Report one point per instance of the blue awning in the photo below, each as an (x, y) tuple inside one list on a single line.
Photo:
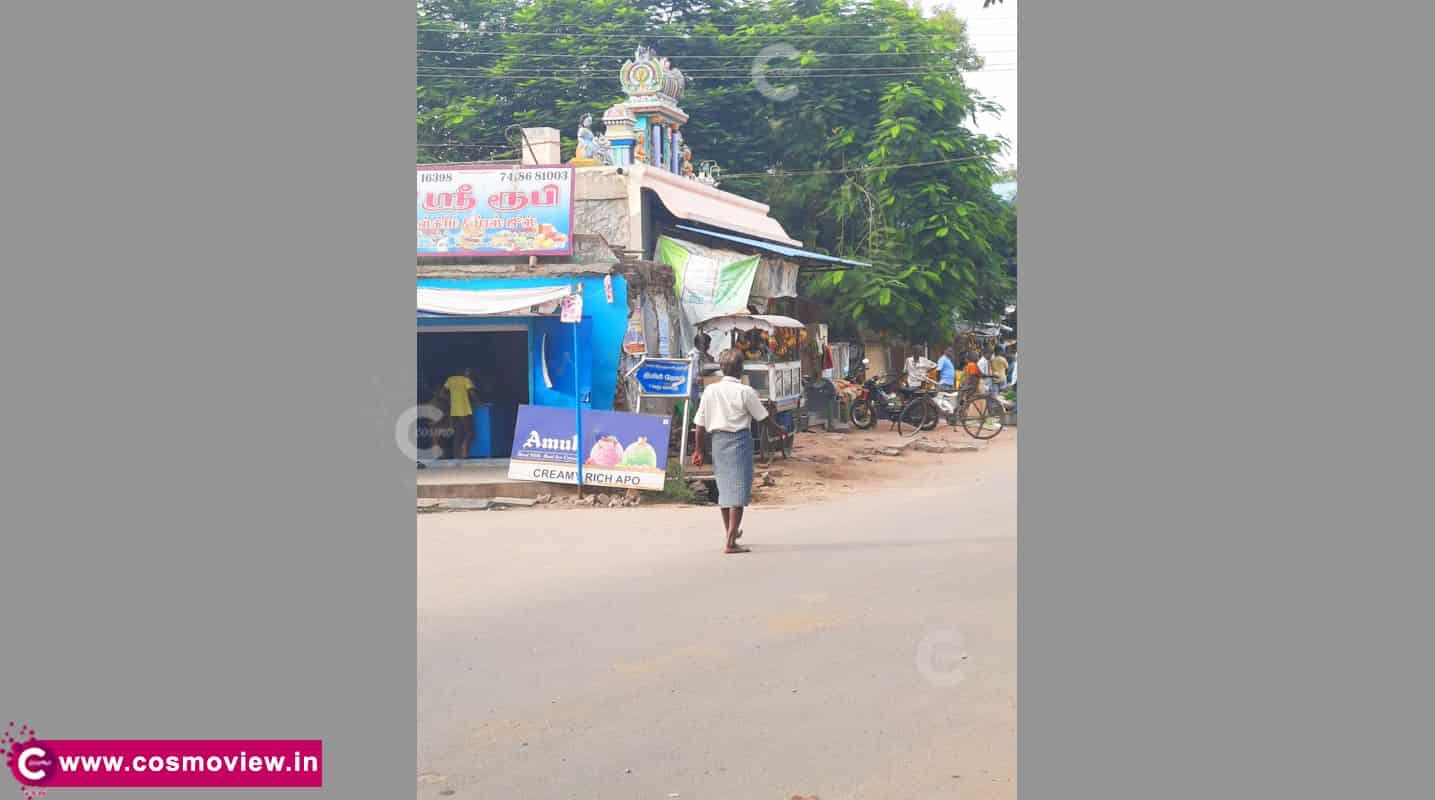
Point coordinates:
[(775, 248)]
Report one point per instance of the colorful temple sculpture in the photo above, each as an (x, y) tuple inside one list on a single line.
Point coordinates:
[(593, 150), (646, 128)]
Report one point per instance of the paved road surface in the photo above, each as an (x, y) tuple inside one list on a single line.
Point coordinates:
[(866, 648)]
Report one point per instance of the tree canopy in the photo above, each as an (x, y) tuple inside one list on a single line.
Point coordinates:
[(865, 143)]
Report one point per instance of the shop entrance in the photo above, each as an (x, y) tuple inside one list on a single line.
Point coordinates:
[(498, 358)]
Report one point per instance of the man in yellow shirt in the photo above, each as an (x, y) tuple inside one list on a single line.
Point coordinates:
[(462, 394), (999, 368)]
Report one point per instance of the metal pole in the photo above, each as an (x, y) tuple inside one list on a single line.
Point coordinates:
[(687, 414), (578, 406)]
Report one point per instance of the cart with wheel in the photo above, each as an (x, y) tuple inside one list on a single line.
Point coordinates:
[(772, 345)]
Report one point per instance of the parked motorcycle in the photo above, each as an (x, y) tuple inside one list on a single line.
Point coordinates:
[(881, 397)]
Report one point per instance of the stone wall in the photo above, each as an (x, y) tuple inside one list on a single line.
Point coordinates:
[(600, 206), (603, 217)]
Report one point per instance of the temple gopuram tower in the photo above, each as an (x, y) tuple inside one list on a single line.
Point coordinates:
[(646, 128)]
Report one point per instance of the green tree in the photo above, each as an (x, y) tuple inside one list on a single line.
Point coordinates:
[(878, 85)]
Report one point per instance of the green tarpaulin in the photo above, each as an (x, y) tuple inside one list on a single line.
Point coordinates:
[(704, 279)]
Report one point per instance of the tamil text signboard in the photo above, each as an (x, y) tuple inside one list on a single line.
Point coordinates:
[(495, 211), (663, 377), (628, 451)]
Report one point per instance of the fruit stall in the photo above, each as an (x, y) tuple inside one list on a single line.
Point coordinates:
[(773, 346)]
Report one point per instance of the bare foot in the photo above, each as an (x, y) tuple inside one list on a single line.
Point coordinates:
[(738, 536), (737, 549)]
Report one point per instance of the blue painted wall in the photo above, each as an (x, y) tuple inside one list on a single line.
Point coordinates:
[(600, 337)]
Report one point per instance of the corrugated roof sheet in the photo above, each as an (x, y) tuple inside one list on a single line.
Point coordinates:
[(775, 248)]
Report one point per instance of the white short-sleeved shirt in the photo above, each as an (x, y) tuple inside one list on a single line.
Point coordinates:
[(917, 369), (729, 405)]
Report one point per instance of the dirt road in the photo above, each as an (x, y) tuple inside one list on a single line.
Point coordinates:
[(866, 648)]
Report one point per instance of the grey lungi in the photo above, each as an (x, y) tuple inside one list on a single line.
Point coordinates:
[(732, 465)]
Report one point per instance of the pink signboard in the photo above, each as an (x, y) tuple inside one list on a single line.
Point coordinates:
[(495, 210)]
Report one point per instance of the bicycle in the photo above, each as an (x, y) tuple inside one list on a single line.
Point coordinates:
[(921, 412), (981, 415), (881, 398), (925, 408)]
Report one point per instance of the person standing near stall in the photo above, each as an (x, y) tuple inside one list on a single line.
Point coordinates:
[(946, 371), (972, 374), (728, 409), (699, 356), (999, 370), (1012, 381), (917, 367), (462, 395)]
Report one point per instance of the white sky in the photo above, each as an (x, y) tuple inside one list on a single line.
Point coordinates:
[(993, 33)]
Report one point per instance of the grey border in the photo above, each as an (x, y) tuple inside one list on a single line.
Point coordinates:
[(207, 310), (1214, 605)]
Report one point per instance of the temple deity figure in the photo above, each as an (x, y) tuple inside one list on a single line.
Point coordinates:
[(708, 172), (592, 147)]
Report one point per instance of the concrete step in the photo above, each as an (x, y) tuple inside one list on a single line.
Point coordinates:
[(525, 490)]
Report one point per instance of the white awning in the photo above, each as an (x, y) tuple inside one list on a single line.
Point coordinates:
[(746, 322), (690, 200), (491, 302)]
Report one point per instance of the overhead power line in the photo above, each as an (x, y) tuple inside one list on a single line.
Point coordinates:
[(774, 37), (776, 173), (628, 56), (859, 168), (494, 145), (773, 74), (766, 69), (741, 26)]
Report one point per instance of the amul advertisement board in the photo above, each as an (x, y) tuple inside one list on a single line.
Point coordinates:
[(625, 451), (495, 210)]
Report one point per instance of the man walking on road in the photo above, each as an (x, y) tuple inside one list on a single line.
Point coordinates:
[(728, 409)]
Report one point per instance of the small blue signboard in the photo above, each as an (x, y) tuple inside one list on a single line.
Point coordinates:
[(620, 450), (663, 377)]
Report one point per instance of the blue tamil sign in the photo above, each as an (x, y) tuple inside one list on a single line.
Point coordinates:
[(628, 451), (662, 377)]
